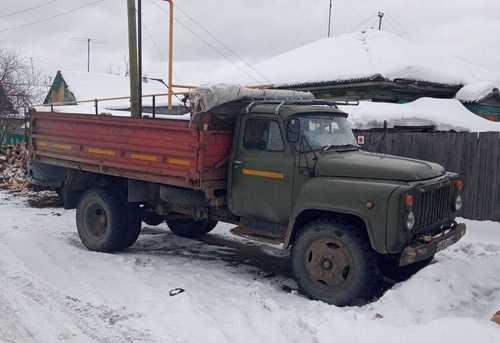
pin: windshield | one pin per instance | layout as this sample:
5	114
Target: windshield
323	132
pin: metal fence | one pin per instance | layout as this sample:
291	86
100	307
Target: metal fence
13	139
475	156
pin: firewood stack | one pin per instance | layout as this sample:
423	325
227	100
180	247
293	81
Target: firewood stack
13	168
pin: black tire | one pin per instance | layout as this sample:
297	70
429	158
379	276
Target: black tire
151	218
104	222
390	268
190	228
134	226
334	262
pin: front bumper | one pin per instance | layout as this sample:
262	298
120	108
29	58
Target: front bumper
426	246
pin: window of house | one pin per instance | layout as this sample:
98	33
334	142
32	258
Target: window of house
263	134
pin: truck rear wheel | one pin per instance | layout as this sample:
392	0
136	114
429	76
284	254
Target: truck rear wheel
134	227
105	223
189	227
333	262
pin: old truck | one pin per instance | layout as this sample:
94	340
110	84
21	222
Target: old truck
284	169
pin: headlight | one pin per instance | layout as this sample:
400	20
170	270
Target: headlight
459	202
410	221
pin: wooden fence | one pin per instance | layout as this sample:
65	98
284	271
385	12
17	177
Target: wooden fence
475	156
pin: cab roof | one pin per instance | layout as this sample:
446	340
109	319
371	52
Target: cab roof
286	109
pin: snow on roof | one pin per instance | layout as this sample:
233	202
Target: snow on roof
442	114
88	86
477	91
363	55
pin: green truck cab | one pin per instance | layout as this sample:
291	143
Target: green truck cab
348	215
294	175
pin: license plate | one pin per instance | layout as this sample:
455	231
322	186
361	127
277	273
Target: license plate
445	243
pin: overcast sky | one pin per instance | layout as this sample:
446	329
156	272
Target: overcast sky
252	29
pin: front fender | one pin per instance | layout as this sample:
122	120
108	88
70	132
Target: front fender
347	196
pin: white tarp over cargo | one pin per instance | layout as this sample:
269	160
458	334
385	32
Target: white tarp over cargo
206	98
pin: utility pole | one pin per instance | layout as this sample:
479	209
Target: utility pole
330	19
139	48
89	41
132	48
380	17
171	55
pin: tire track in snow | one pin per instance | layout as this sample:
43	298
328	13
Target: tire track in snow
70	316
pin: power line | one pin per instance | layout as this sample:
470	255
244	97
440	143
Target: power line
397	23
234	53
151	38
11	14
51	17
194	33
362	23
395	29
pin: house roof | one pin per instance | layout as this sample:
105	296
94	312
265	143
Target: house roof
477	91
364	56
440	114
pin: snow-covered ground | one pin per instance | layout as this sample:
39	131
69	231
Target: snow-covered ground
53	290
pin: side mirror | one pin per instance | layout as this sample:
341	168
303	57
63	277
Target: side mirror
293	130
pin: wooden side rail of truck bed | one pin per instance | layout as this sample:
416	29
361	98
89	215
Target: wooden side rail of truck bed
163	151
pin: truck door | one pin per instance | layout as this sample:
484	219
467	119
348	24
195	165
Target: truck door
262	171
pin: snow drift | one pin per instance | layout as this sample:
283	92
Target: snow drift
441	114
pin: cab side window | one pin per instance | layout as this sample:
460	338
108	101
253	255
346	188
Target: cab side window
263	134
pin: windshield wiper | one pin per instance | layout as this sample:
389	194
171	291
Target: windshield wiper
339	147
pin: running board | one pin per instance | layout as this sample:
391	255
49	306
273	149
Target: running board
241	231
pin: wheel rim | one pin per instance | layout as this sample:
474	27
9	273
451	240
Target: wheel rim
96	220
328	263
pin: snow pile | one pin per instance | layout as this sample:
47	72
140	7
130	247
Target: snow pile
363	55
442	114
476	91
52	289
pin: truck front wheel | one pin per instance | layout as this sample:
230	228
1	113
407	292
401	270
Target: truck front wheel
105	223
390	268
333	262
190	228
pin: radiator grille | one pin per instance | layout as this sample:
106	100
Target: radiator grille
434	206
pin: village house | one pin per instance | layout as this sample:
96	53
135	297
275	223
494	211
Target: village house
482	98
11	122
378	66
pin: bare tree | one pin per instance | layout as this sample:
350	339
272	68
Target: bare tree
20	87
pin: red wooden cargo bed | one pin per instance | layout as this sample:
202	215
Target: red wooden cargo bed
157	150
